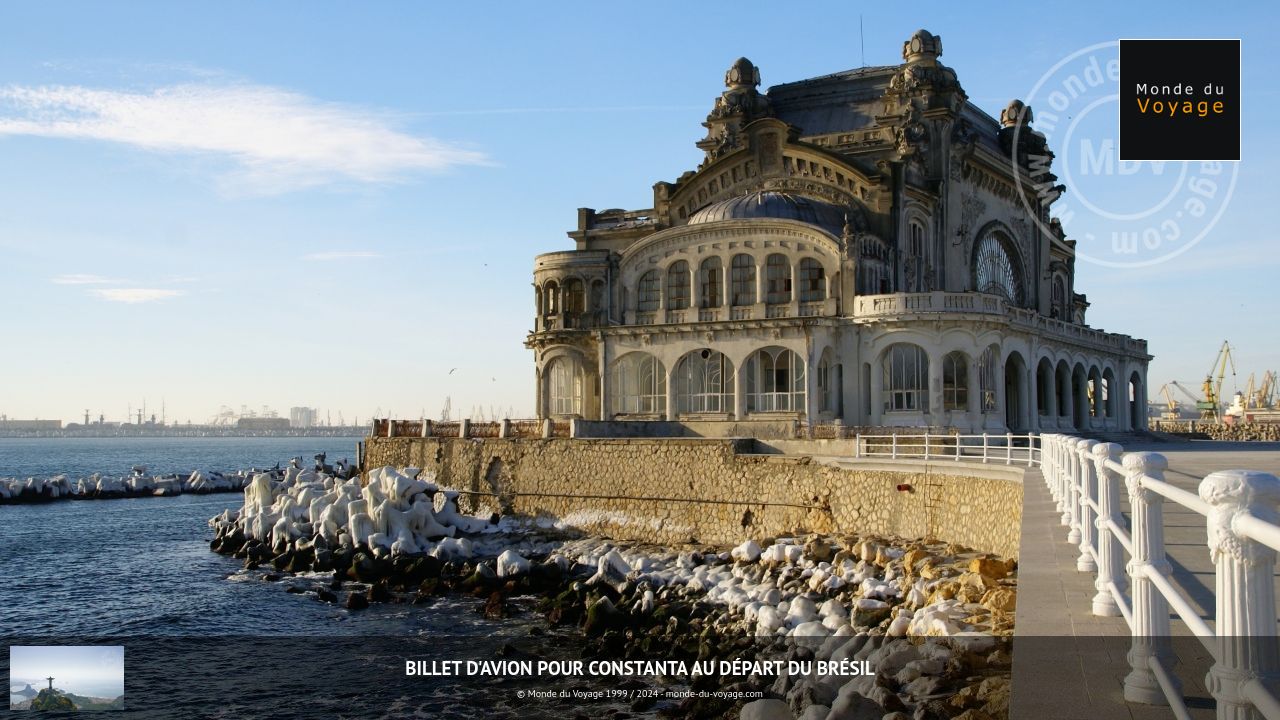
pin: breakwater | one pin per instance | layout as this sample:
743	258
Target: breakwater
932	619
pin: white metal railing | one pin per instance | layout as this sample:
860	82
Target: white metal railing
1008	448
1242	516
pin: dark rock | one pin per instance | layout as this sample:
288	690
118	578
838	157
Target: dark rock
356	601
324	595
603	616
378	592
496	607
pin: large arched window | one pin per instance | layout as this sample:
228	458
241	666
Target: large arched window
704	383
987	365
775	381
638	385
678	285
743	288
995	269
955	381
565	386
813	281
710	283
777	276
649	293
906	378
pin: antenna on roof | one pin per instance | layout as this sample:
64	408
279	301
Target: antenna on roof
862	38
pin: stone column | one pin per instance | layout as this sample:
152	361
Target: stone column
1150	608
877	393
1000	391
672	411
603	376
1032	400
934	394
1246	596
740	392
974	391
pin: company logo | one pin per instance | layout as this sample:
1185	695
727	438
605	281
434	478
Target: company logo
1122	213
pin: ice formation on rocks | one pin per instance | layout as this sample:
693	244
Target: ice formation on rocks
394	512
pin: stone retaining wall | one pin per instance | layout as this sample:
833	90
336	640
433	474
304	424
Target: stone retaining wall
716	491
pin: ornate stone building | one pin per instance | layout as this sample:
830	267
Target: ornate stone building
854	246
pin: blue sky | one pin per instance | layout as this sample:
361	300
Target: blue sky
333	205
91	670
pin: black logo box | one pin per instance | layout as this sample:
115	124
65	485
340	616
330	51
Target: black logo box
1186	69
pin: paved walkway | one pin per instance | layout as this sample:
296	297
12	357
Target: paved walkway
1070	663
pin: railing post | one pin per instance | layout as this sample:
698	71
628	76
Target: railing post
985	446
857	445
1031	450
1109	548
391	425
1246	595
1088	500
958	443
893	446
1071	511
1150	608
548	428
504	428
464	427
1008	448
926	444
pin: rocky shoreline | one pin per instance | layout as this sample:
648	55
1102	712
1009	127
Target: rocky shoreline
932	623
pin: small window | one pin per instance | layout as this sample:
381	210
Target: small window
744	280
813	281
710	283
678	285
777	279
649	293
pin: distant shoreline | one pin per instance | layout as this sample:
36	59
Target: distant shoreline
188	432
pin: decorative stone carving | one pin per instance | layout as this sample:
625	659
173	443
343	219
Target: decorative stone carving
1233	493
738	105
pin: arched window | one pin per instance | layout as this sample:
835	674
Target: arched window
639	385
537	300
777	276
995	270
906	378
575	297
987	363
913	264
955	381
566	386
678	285
710	283
813	281
775	381
744	280
1058	306
649	293
704	383
552	297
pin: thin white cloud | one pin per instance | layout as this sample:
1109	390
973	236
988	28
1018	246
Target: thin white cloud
278	140
133	296
342	255
80	279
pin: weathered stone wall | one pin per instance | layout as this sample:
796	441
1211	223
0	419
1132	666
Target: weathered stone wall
714	491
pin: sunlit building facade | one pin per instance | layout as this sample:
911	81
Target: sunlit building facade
863	247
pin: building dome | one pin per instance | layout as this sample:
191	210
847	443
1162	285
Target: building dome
772	204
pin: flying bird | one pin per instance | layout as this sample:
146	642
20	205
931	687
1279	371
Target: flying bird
451	371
